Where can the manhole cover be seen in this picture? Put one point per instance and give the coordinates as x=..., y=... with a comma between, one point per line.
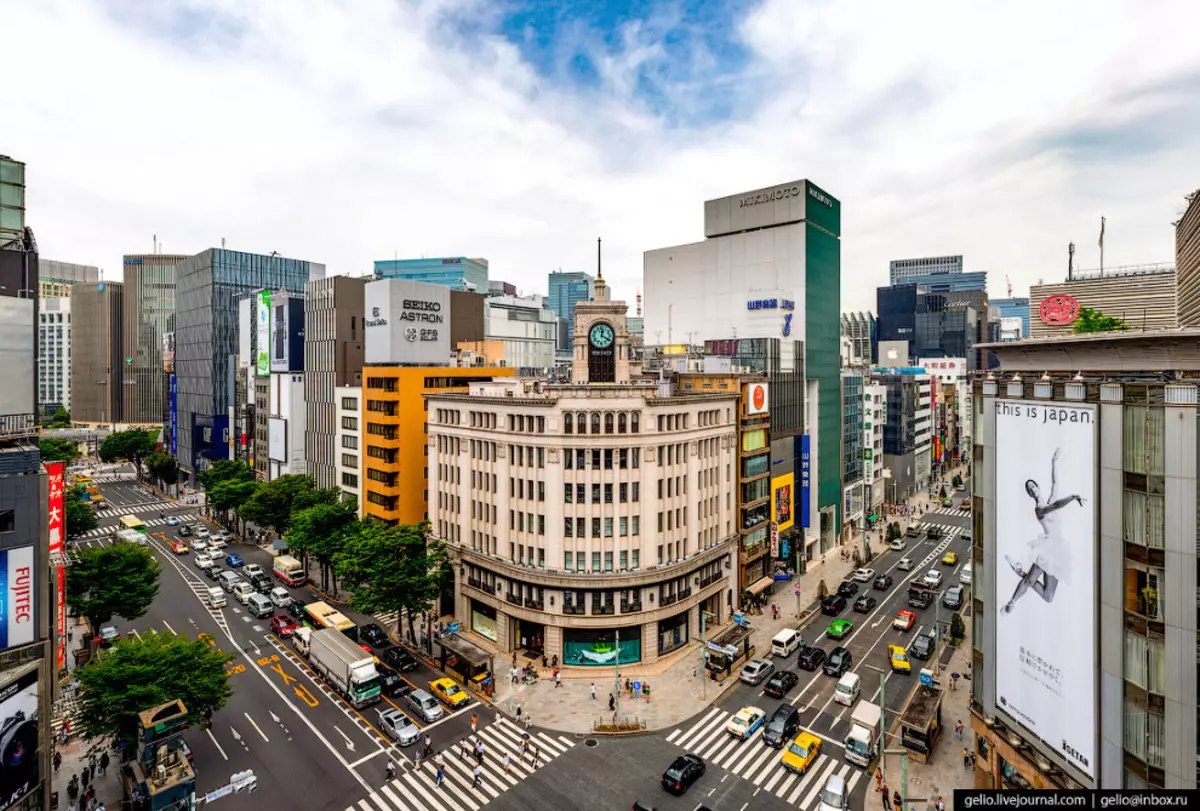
x=591, y=742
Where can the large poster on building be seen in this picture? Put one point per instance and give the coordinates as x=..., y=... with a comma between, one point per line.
x=1046, y=653
x=783, y=511
x=18, y=738
x=805, y=479
x=18, y=625
x=262, y=365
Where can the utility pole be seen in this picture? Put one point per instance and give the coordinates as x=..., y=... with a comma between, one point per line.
x=937, y=635
x=882, y=715
x=703, y=652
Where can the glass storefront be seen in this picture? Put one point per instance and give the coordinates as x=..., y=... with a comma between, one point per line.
x=583, y=646
x=672, y=633
x=483, y=620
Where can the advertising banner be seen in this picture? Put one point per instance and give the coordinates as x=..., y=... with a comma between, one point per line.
x=56, y=524
x=262, y=365
x=805, y=479
x=168, y=352
x=783, y=512
x=18, y=738
x=1046, y=574
x=173, y=428
x=17, y=624
x=755, y=398
x=483, y=625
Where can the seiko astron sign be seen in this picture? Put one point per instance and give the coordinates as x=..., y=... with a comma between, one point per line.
x=407, y=323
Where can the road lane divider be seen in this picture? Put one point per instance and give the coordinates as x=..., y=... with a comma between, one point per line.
x=213, y=738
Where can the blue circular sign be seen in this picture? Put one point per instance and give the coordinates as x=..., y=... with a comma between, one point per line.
x=637, y=687
x=100, y=286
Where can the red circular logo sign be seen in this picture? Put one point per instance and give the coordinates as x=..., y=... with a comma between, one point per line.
x=759, y=397
x=1056, y=310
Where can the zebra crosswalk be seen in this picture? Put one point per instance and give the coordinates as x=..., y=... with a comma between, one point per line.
x=949, y=511
x=109, y=478
x=135, y=509
x=762, y=765
x=104, y=532
x=417, y=789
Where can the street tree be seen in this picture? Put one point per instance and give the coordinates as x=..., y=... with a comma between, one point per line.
x=61, y=418
x=58, y=450
x=942, y=492
x=392, y=568
x=133, y=446
x=107, y=581
x=79, y=514
x=162, y=466
x=958, y=629
x=231, y=494
x=225, y=470
x=957, y=480
x=137, y=674
x=311, y=498
x=271, y=505
x=320, y=532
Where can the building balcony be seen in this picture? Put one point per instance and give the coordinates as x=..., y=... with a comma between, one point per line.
x=705, y=582
x=633, y=608
x=384, y=488
x=574, y=609
x=381, y=441
x=515, y=599
x=667, y=599
x=604, y=609
x=539, y=605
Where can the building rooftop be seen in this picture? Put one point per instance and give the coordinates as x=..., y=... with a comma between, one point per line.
x=1152, y=269
x=1164, y=350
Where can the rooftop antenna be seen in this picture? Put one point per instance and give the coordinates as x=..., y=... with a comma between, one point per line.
x=155, y=240
x=222, y=242
x=1008, y=282
x=1070, y=261
x=599, y=271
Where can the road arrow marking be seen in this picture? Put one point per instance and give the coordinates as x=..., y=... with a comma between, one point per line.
x=237, y=737
x=345, y=737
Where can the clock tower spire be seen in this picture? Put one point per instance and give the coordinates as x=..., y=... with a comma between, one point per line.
x=601, y=339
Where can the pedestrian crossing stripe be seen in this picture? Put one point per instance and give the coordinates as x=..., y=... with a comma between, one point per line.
x=948, y=511
x=110, y=478
x=418, y=790
x=759, y=764
x=136, y=509
x=101, y=532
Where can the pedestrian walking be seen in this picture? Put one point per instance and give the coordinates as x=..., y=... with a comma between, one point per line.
x=428, y=746
x=506, y=762
x=537, y=755
x=557, y=679
x=518, y=712
x=91, y=772
x=528, y=720
x=73, y=789
x=441, y=777
x=941, y=804
x=593, y=691
x=878, y=778
x=57, y=761
x=477, y=775
x=887, y=798
x=439, y=760
x=391, y=770
x=463, y=749
x=83, y=775
x=958, y=729
x=474, y=721
x=897, y=800
x=104, y=761
x=966, y=758
x=524, y=748
x=92, y=760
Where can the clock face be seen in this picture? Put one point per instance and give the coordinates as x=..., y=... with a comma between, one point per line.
x=601, y=336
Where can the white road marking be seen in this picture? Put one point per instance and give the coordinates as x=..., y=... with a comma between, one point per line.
x=135, y=633
x=214, y=740
x=256, y=729
x=349, y=743
x=169, y=628
x=364, y=759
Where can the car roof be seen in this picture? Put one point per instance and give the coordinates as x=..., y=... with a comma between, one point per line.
x=836, y=782
x=806, y=737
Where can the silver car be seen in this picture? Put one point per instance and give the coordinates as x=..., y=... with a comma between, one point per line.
x=398, y=726
x=757, y=671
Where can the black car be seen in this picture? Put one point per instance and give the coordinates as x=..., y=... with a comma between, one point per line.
x=261, y=583
x=680, y=775
x=847, y=588
x=921, y=647
x=392, y=685
x=810, y=658
x=933, y=533
x=839, y=662
x=780, y=682
x=399, y=659
x=952, y=598
x=373, y=635
x=833, y=605
x=183, y=530
x=864, y=603
x=295, y=609
x=883, y=582
x=783, y=726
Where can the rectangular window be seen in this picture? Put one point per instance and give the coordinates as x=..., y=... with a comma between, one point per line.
x=348, y=479
x=608, y=561
x=580, y=527
x=541, y=519
x=595, y=527
x=569, y=561
x=637, y=489
x=350, y=442
x=1135, y=658
x=596, y=459
x=541, y=491
x=623, y=460
x=608, y=527
x=350, y=423
x=608, y=494
x=754, y=440
x=568, y=459
x=568, y=493
x=637, y=530
x=636, y=554
x=624, y=526
x=569, y=527
x=624, y=560
x=349, y=460
x=595, y=561
x=635, y=456
x=595, y=494
x=623, y=492
x=581, y=493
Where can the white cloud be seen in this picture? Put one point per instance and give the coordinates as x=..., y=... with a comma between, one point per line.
x=350, y=132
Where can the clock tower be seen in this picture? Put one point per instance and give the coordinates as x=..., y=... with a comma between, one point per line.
x=601, y=339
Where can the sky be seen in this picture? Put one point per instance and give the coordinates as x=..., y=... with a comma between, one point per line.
x=348, y=131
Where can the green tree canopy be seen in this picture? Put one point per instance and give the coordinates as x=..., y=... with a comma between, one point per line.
x=133, y=446
x=271, y=504
x=58, y=450
x=392, y=568
x=61, y=418
x=958, y=629
x=320, y=531
x=137, y=674
x=163, y=467
x=79, y=514
x=231, y=494
x=1091, y=320
x=107, y=581
x=225, y=470
x=311, y=498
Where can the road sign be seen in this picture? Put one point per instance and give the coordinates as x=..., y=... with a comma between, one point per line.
x=637, y=687
x=797, y=592
x=453, y=628
x=217, y=794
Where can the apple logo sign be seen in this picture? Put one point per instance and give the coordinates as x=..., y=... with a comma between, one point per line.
x=893, y=354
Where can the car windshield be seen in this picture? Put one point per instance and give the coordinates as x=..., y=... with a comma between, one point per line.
x=835, y=659
x=844, y=688
x=832, y=799
x=899, y=656
x=799, y=749
x=452, y=689
x=675, y=772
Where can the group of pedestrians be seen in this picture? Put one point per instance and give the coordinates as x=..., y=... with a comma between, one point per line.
x=81, y=788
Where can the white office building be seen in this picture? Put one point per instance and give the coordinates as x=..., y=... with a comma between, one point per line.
x=525, y=325
x=348, y=401
x=54, y=355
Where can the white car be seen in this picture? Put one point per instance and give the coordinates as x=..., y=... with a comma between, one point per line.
x=242, y=592
x=218, y=541
x=932, y=579
x=201, y=531
x=743, y=724
x=251, y=570
x=280, y=597
x=398, y=727
x=898, y=544
x=906, y=565
x=173, y=521
x=864, y=575
x=199, y=545
x=203, y=560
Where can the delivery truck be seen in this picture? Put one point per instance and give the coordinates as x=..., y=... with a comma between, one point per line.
x=289, y=570
x=345, y=666
x=862, y=741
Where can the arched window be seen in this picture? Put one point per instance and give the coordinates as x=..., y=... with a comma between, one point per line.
x=608, y=423
x=634, y=422
x=595, y=422
x=568, y=423
x=621, y=423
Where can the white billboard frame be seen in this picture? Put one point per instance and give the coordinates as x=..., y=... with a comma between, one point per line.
x=262, y=364
x=277, y=439
x=1046, y=574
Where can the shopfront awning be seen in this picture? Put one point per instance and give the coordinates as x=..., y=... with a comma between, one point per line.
x=759, y=585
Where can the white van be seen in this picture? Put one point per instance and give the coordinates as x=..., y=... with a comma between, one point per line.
x=847, y=689
x=242, y=591
x=785, y=642
x=964, y=574
x=260, y=606
x=216, y=597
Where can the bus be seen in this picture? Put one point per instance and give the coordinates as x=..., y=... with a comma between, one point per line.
x=82, y=479
x=134, y=523
x=323, y=615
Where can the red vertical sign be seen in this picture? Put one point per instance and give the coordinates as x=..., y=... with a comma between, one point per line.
x=57, y=525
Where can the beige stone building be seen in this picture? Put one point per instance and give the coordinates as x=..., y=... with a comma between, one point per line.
x=578, y=512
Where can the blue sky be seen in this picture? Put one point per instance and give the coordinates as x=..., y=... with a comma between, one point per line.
x=345, y=132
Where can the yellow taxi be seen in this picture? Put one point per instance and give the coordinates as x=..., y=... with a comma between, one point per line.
x=898, y=657
x=950, y=558
x=449, y=693
x=801, y=753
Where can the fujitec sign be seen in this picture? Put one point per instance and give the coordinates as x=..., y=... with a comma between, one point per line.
x=1058, y=310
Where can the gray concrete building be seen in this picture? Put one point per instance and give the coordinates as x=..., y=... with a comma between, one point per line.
x=333, y=357
x=1101, y=432
x=149, y=320
x=1187, y=262
x=1143, y=296
x=97, y=360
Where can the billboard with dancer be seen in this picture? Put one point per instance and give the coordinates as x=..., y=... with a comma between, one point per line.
x=1045, y=592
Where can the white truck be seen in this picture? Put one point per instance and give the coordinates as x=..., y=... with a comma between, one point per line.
x=862, y=741
x=344, y=665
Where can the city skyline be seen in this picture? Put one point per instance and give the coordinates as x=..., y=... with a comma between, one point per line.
x=601, y=122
